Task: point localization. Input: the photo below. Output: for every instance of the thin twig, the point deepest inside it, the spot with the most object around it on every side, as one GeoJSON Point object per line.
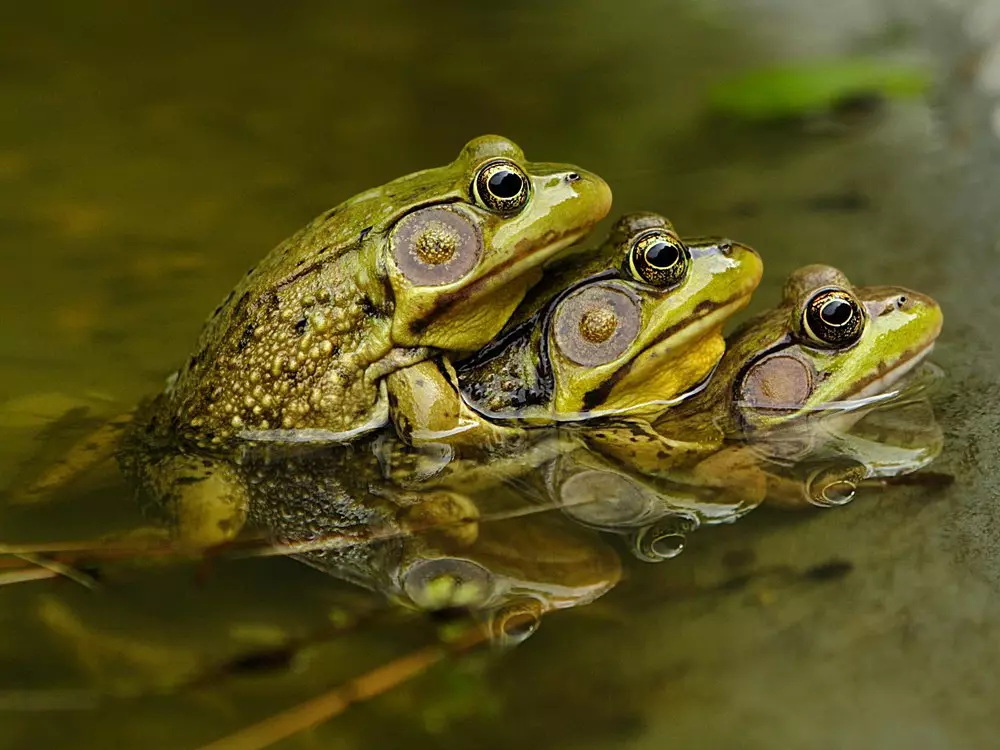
{"type": "Point", "coordinates": [61, 569]}
{"type": "Point", "coordinates": [25, 575]}
{"type": "Point", "coordinates": [306, 715]}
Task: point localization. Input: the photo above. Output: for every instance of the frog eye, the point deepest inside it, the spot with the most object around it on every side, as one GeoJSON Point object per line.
{"type": "Point", "coordinates": [516, 622]}
{"type": "Point", "coordinates": [662, 540]}
{"type": "Point", "coordinates": [830, 486]}
{"type": "Point", "coordinates": [502, 187]}
{"type": "Point", "coordinates": [833, 318]}
{"type": "Point", "coordinates": [596, 324]}
{"type": "Point", "coordinates": [436, 246]}
{"type": "Point", "coordinates": [659, 258]}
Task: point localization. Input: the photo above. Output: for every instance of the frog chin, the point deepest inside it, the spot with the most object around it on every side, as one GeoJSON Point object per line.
{"type": "Point", "coordinates": [693, 334]}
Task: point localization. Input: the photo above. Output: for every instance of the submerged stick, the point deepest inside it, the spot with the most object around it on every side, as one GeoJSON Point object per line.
{"type": "Point", "coordinates": [25, 575]}
{"type": "Point", "coordinates": [306, 715]}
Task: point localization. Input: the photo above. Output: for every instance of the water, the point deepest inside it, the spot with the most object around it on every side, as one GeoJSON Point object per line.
{"type": "Point", "coordinates": [149, 156]}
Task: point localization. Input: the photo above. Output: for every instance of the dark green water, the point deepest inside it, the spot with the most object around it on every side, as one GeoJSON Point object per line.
{"type": "Point", "coordinates": [150, 153]}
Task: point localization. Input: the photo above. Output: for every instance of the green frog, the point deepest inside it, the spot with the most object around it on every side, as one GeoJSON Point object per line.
{"type": "Point", "coordinates": [629, 328]}
{"type": "Point", "coordinates": [829, 346]}
{"type": "Point", "coordinates": [435, 260]}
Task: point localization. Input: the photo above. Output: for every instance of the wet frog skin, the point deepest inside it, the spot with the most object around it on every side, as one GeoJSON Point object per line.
{"type": "Point", "coordinates": [434, 260]}
{"type": "Point", "coordinates": [629, 327]}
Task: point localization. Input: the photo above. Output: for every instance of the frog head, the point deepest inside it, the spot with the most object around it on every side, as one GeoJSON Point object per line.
{"type": "Point", "coordinates": [828, 344]}
{"type": "Point", "coordinates": [473, 238]}
{"type": "Point", "coordinates": [630, 328]}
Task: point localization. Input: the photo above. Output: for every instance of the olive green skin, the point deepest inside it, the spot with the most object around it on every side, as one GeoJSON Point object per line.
{"type": "Point", "coordinates": [299, 348]}
{"type": "Point", "coordinates": [774, 372]}
{"type": "Point", "coordinates": [525, 377]}
{"type": "Point", "coordinates": [775, 375]}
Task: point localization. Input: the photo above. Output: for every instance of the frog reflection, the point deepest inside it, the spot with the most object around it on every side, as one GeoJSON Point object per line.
{"type": "Point", "coordinates": [506, 561]}
{"type": "Point", "coordinates": [656, 512]}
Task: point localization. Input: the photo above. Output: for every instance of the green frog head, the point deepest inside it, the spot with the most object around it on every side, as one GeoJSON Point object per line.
{"type": "Point", "coordinates": [459, 264]}
{"type": "Point", "coordinates": [827, 345]}
{"type": "Point", "coordinates": [629, 328]}
{"type": "Point", "coordinates": [436, 259]}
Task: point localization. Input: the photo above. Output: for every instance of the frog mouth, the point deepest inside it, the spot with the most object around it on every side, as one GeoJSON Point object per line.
{"type": "Point", "coordinates": [879, 383]}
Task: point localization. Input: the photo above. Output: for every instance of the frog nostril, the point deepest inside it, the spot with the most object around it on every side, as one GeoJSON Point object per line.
{"type": "Point", "coordinates": [573, 177]}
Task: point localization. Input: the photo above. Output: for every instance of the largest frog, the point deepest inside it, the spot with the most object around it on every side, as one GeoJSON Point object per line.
{"type": "Point", "coordinates": [438, 259]}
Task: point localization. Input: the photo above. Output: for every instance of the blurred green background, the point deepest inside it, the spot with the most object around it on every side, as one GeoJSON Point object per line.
{"type": "Point", "coordinates": [151, 152]}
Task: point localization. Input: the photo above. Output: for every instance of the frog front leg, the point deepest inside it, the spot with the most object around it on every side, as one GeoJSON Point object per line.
{"type": "Point", "coordinates": [426, 406]}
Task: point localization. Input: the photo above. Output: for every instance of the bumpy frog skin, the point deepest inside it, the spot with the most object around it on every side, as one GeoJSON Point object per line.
{"type": "Point", "coordinates": [630, 327]}
{"type": "Point", "coordinates": [438, 259]}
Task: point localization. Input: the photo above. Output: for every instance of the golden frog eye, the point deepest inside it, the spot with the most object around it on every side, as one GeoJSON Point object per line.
{"type": "Point", "coordinates": [436, 246]}
{"type": "Point", "coordinates": [502, 187]}
{"type": "Point", "coordinates": [516, 622]}
{"type": "Point", "coordinates": [662, 540]}
{"type": "Point", "coordinates": [596, 324]}
{"type": "Point", "coordinates": [833, 318]}
{"type": "Point", "coordinates": [659, 258]}
{"type": "Point", "coordinates": [831, 486]}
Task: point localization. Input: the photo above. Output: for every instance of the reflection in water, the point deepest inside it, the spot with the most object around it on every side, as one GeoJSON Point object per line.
{"type": "Point", "coordinates": [445, 528]}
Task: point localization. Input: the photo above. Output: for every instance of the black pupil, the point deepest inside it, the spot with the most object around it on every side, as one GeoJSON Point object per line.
{"type": "Point", "coordinates": [519, 625]}
{"type": "Point", "coordinates": [668, 545]}
{"type": "Point", "coordinates": [836, 312]}
{"type": "Point", "coordinates": [662, 254]}
{"type": "Point", "coordinates": [505, 184]}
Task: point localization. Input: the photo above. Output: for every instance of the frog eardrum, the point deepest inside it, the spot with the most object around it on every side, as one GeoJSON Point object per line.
{"type": "Point", "coordinates": [501, 187]}
{"type": "Point", "coordinates": [597, 324]}
{"type": "Point", "coordinates": [833, 318]}
{"type": "Point", "coordinates": [659, 258]}
{"type": "Point", "coordinates": [436, 246]}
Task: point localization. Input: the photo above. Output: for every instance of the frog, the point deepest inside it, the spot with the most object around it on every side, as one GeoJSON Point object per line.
{"type": "Point", "coordinates": [792, 383]}
{"type": "Point", "coordinates": [633, 326]}
{"type": "Point", "coordinates": [434, 260]}
{"type": "Point", "coordinates": [298, 349]}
